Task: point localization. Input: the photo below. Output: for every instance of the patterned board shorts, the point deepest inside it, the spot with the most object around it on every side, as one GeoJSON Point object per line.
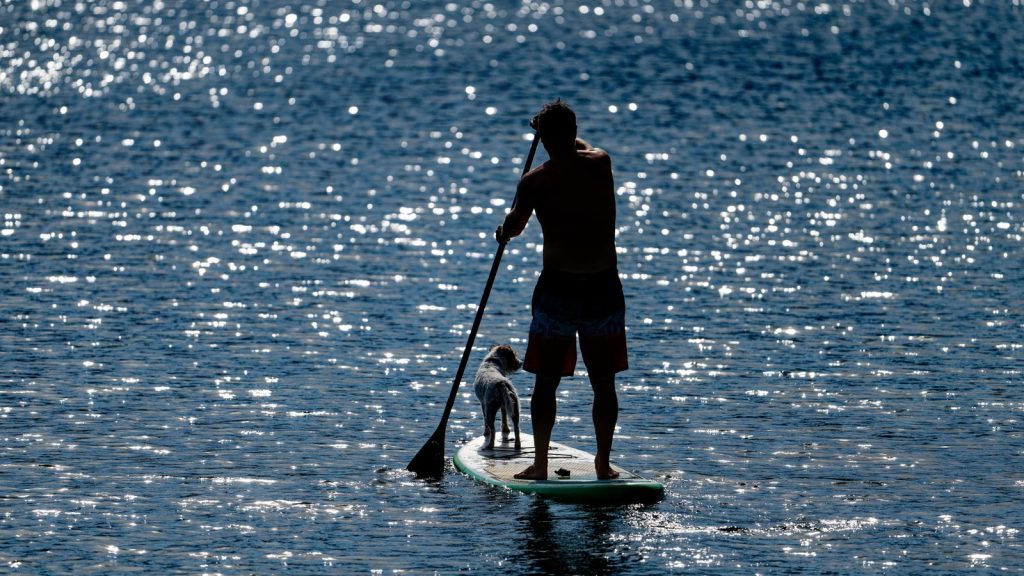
{"type": "Point", "coordinates": [566, 304]}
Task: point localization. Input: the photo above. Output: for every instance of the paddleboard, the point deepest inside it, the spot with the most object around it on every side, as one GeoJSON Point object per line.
{"type": "Point", "coordinates": [499, 465]}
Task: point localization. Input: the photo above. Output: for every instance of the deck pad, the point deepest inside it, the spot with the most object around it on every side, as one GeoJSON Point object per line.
{"type": "Point", "coordinates": [499, 465]}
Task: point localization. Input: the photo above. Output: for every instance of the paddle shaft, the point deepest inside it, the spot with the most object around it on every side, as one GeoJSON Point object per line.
{"type": "Point", "coordinates": [483, 303]}
{"type": "Point", "coordinates": [429, 461]}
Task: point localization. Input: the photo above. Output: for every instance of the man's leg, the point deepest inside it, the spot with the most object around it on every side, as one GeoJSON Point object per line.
{"type": "Point", "coordinates": [542, 417]}
{"type": "Point", "coordinates": [605, 413]}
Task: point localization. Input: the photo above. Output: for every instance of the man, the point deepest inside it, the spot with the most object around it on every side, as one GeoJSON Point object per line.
{"type": "Point", "coordinates": [578, 291]}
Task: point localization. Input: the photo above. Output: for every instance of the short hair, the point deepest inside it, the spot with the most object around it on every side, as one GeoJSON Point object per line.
{"type": "Point", "coordinates": [556, 123]}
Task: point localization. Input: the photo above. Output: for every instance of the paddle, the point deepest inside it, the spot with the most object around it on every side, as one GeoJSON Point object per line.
{"type": "Point", "coordinates": [429, 461]}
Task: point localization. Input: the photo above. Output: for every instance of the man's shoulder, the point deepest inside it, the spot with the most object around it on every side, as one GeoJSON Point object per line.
{"type": "Point", "coordinates": [537, 173]}
{"type": "Point", "coordinates": [545, 171]}
{"type": "Point", "coordinates": [594, 152]}
{"type": "Point", "coordinates": [596, 155]}
{"type": "Point", "coordinates": [533, 180]}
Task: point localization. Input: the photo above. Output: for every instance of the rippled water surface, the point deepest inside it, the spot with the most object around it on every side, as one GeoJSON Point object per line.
{"type": "Point", "coordinates": [242, 243]}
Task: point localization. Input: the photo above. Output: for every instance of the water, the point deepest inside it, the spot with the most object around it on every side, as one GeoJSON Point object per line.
{"type": "Point", "coordinates": [242, 244]}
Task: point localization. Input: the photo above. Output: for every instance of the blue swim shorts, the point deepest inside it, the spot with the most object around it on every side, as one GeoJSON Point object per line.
{"type": "Point", "coordinates": [566, 304]}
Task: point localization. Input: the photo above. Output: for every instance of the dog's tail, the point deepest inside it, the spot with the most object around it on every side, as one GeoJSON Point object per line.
{"type": "Point", "coordinates": [510, 399]}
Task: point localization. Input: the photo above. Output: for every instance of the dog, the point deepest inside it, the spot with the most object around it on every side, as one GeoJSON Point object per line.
{"type": "Point", "coordinates": [495, 392]}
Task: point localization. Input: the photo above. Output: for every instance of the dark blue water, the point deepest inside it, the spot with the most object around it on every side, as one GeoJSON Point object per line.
{"type": "Point", "coordinates": [242, 243]}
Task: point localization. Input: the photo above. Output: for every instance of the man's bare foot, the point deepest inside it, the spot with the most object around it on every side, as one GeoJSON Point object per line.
{"type": "Point", "coordinates": [604, 470]}
{"type": "Point", "coordinates": [533, 473]}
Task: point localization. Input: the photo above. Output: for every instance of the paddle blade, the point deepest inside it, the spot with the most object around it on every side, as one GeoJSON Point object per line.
{"type": "Point", "coordinates": [429, 461]}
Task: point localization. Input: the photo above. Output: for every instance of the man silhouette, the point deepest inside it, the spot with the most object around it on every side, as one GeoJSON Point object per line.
{"type": "Point", "coordinates": [579, 291]}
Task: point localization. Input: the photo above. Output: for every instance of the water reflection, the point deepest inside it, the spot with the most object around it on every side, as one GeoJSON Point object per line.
{"type": "Point", "coordinates": [572, 540]}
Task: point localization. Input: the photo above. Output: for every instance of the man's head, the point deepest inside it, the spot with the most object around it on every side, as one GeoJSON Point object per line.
{"type": "Point", "coordinates": [557, 126]}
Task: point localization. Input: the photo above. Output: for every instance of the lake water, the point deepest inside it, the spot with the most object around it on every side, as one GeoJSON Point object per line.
{"type": "Point", "coordinates": [242, 243]}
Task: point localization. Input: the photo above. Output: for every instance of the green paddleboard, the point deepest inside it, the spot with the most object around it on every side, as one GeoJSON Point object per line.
{"type": "Point", "coordinates": [498, 466]}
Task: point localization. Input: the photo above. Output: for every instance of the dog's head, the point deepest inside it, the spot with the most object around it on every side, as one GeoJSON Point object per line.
{"type": "Point", "coordinates": [506, 356]}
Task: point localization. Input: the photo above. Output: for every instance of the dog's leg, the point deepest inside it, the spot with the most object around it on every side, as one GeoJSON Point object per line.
{"type": "Point", "coordinates": [489, 414]}
{"type": "Point", "coordinates": [515, 420]}
{"type": "Point", "coordinates": [512, 408]}
{"type": "Point", "coordinates": [504, 425]}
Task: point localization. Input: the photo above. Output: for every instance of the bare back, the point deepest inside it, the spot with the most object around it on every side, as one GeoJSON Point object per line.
{"type": "Point", "coordinates": [574, 199]}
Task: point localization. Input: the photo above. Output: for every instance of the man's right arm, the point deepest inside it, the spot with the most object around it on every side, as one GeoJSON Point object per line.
{"type": "Point", "coordinates": [516, 219]}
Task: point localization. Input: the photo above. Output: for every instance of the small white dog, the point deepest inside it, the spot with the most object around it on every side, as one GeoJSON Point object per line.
{"type": "Point", "coordinates": [496, 392]}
